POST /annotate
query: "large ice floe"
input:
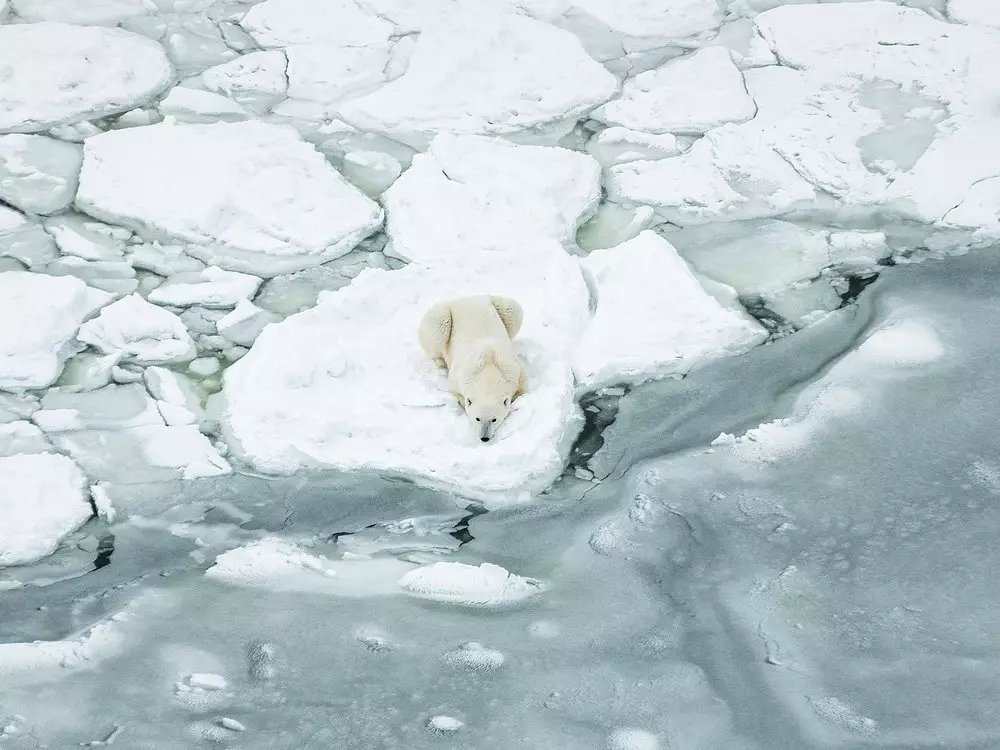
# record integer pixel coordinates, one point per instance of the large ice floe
(486, 69)
(57, 74)
(43, 498)
(246, 196)
(47, 310)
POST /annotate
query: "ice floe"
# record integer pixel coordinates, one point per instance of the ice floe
(43, 497)
(653, 317)
(38, 174)
(48, 311)
(486, 70)
(256, 80)
(137, 331)
(247, 196)
(485, 585)
(385, 407)
(211, 287)
(472, 199)
(24, 240)
(58, 74)
(280, 23)
(690, 95)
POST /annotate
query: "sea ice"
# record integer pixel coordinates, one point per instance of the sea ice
(280, 23)
(139, 332)
(328, 73)
(196, 106)
(247, 196)
(102, 13)
(24, 240)
(617, 145)
(43, 498)
(974, 12)
(57, 74)
(48, 311)
(384, 405)
(211, 287)
(245, 322)
(256, 80)
(487, 71)
(691, 95)
(653, 317)
(20, 437)
(38, 174)
(485, 585)
(472, 199)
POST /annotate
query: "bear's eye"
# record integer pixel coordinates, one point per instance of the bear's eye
(494, 419)
(478, 419)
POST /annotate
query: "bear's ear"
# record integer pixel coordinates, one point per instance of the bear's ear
(506, 402)
(468, 402)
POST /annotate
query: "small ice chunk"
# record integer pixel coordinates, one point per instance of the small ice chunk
(22, 437)
(139, 332)
(617, 145)
(87, 371)
(57, 74)
(165, 260)
(49, 311)
(176, 392)
(114, 407)
(254, 80)
(692, 94)
(211, 287)
(24, 240)
(86, 239)
(204, 366)
(645, 279)
(17, 406)
(191, 105)
(226, 723)
(207, 681)
(444, 724)
(43, 498)
(483, 69)
(486, 585)
(38, 174)
(280, 23)
(247, 196)
(372, 171)
(475, 656)
(244, 324)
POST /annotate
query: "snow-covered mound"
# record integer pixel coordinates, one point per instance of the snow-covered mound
(43, 314)
(345, 385)
(211, 287)
(247, 196)
(43, 497)
(133, 329)
(486, 585)
(483, 70)
(691, 95)
(653, 317)
(471, 198)
(55, 74)
(38, 174)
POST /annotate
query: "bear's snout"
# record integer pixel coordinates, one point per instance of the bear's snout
(485, 439)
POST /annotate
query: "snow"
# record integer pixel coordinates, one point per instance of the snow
(328, 73)
(973, 12)
(253, 80)
(102, 13)
(24, 240)
(38, 174)
(192, 105)
(176, 397)
(473, 198)
(244, 324)
(475, 656)
(385, 405)
(211, 287)
(692, 95)
(140, 332)
(49, 310)
(485, 585)
(633, 739)
(247, 196)
(22, 437)
(43, 498)
(444, 724)
(58, 74)
(652, 19)
(280, 23)
(653, 318)
(617, 145)
(483, 70)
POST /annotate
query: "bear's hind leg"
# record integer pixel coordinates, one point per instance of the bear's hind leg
(510, 313)
(435, 332)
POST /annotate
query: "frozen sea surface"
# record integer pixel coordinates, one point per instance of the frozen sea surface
(749, 499)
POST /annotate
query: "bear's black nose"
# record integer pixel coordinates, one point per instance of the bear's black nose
(485, 440)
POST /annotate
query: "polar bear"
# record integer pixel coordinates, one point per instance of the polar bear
(471, 337)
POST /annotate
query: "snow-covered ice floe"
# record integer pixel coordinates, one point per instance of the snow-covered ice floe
(48, 310)
(654, 318)
(345, 384)
(43, 498)
(58, 74)
(247, 196)
(38, 174)
(485, 585)
(485, 69)
(135, 330)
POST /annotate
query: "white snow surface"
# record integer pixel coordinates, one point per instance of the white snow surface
(345, 384)
(485, 585)
(974, 12)
(280, 23)
(38, 174)
(329, 73)
(140, 332)
(471, 199)
(486, 70)
(653, 19)
(653, 318)
(58, 74)
(248, 196)
(692, 95)
(48, 311)
(43, 498)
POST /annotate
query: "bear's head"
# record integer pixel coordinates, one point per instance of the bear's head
(487, 413)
